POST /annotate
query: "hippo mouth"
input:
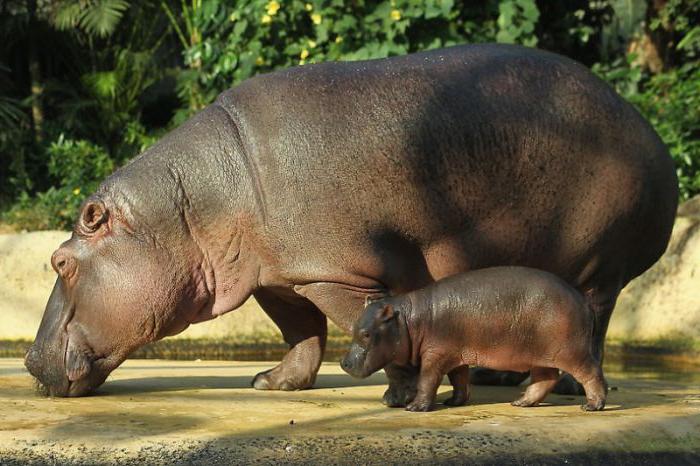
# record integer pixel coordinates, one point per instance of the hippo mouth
(80, 371)
(74, 388)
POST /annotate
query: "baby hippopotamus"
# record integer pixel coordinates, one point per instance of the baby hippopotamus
(504, 318)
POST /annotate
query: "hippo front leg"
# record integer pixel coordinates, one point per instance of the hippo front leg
(403, 381)
(304, 328)
(428, 382)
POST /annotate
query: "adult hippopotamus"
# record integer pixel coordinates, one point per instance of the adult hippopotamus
(313, 187)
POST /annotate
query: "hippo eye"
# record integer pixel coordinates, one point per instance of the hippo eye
(364, 334)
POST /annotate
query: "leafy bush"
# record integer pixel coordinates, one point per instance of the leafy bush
(76, 169)
(670, 101)
(233, 42)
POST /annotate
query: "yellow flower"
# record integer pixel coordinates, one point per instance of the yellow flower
(304, 54)
(76, 191)
(312, 44)
(267, 19)
(309, 7)
(395, 15)
(338, 40)
(272, 8)
(301, 62)
(260, 61)
(316, 18)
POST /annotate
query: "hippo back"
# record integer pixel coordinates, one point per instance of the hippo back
(450, 160)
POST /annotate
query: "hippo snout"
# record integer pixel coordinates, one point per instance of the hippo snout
(354, 362)
(50, 380)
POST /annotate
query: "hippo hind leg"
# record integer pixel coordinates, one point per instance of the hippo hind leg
(304, 329)
(543, 381)
(591, 377)
(602, 303)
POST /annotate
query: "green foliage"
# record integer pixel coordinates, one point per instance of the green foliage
(95, 17)
(232, 43)
(76, 169)
(670, 101)
(516, 22)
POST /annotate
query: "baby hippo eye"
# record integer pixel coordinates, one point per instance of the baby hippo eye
(364, 334)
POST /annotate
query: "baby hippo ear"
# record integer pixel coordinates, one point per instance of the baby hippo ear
(386, 313)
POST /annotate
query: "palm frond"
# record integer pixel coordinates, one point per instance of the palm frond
(11, 113)
(103, 16)
(95, 17)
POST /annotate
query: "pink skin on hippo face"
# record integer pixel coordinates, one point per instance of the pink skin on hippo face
(89, 326)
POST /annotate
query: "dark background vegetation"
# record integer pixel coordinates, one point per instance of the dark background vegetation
(87, 84)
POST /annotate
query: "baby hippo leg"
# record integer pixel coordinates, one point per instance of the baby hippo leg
(428, 383)
(459, 378)
(543, 381)
(591, 377)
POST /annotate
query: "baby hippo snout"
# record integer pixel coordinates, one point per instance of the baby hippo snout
(354, 361)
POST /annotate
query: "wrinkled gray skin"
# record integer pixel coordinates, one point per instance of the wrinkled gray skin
(313, 187)
(507, 318)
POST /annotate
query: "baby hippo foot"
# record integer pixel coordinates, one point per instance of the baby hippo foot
(594, 405)
(402, 386)
(419, 405)
(278, 379)
(398, 396)
(524, 402)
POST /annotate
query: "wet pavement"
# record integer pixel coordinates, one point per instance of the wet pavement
(204, 412)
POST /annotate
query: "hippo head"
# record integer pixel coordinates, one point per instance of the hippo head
(377, 339)
(117, 289)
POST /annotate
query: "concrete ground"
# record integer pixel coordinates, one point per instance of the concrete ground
(174, 412)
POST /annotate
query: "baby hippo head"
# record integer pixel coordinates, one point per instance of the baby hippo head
(375, 340)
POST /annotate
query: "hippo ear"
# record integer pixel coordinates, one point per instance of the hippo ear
(386, 313)
(94, 214)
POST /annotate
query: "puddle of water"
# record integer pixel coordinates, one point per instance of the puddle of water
(637, 365)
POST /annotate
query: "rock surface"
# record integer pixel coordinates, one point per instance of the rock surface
(665, 301)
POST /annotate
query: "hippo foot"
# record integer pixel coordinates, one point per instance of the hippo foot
(398, 397)
(523, 403)
(275, 379)
(419, 406)
(567, 385)
(456, 400)
(593, 406)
